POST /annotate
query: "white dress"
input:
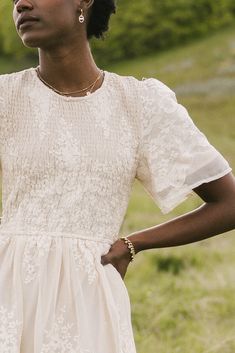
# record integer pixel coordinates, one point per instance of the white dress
(68, 165)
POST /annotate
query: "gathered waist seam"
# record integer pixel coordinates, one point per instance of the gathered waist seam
(77, 235)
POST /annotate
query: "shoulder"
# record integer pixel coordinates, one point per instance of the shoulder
(12, 79)
(150, 97)
(4, 89)
(144, 87)
(12, 83)
(4, 81)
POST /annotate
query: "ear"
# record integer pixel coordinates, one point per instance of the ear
(86, 4)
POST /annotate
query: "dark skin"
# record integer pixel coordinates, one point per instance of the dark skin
(67, 64)
(65, 58)
(214, 217)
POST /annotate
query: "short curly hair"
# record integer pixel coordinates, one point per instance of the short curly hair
(101, 12)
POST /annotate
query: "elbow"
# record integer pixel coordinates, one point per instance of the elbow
(222, 213)
(231, 211)
(226, 209)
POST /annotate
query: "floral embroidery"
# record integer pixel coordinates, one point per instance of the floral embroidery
(172, 149)
(59, 339)
(36, 248)
(10, 330)
(41, 111)
(86, 254)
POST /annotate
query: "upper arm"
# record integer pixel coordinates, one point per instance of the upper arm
(222, 189)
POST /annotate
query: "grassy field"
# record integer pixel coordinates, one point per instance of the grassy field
(183, 298)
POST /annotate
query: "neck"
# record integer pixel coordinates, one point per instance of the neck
(69, 68)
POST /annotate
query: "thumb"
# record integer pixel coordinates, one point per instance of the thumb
(104, 260)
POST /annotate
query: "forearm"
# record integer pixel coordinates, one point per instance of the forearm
(206, 221)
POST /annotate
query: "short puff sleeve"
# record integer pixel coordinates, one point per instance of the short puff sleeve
(174, 156)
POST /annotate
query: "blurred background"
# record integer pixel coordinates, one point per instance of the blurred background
(183, 298)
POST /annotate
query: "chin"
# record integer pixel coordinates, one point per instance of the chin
(38, 40)
(32, 43)
(31, 40)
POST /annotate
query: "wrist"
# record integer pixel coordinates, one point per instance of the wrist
(137, 242)
(130, 247)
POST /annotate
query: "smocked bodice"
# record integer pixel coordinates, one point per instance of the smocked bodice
(68, 163)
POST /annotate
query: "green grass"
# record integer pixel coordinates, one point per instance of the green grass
(183, 297)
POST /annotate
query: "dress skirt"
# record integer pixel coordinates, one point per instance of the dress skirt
(57, 297)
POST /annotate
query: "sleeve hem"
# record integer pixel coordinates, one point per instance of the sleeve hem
(169, 204)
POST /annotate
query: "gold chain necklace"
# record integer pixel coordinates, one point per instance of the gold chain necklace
(90, 87)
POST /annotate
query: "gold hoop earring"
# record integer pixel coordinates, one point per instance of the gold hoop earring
(81, 18)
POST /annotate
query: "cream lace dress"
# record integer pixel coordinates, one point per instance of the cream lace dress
(68, 165)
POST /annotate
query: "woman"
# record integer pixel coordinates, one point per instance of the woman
(73, 140)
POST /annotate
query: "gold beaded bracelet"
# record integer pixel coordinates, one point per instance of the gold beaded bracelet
(130, 247)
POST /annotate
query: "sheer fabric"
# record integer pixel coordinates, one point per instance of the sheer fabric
(174, 155)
